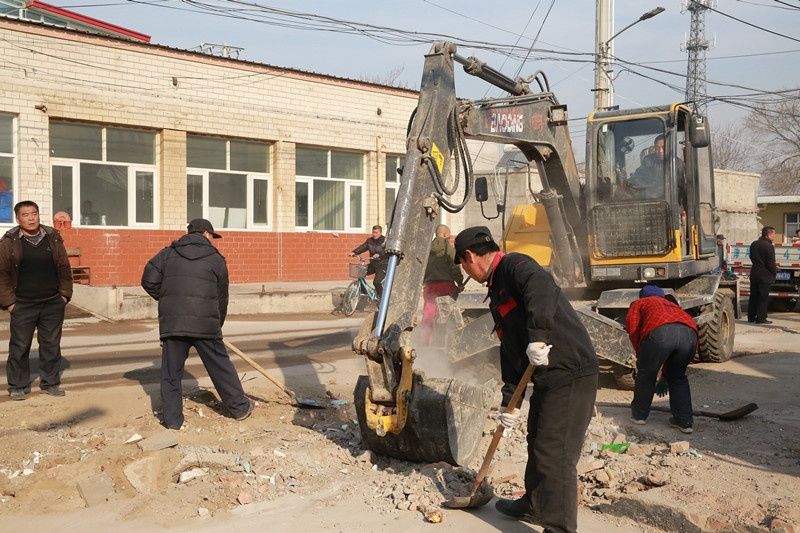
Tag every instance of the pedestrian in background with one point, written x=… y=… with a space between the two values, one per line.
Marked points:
x=377 y=258
x=664 y=338
x=762 y=275
x=35 y=286
x=442 y=278
x=537 y=325
x=189 y=279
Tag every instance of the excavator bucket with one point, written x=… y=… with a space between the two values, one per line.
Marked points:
x=445 y=420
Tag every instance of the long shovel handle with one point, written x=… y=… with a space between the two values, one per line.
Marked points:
x=498 y=433
x=260 y=369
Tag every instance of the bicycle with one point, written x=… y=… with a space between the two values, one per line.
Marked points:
x=357 y=287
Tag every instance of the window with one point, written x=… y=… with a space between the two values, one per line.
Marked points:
x=228 y=182
x=102 y=175
x=7 y=165
x=329 y=190
x=791 y=225
x=393 y=162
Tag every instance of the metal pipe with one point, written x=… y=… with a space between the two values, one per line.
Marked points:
x=383 y=310
x=483 y=71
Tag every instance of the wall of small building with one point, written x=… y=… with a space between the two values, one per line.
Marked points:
x=64 y=75
x=775 y=215
x=736 y=194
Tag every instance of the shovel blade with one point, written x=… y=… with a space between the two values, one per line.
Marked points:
x=444 y=423
x=479 y=497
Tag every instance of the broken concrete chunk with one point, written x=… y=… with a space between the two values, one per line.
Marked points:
x=204 y=458
x=96 y=490
x=680 y=446
x=202 y=512
x=134 y=438
x=244 y=498
x=188 y=475
x=588 y=466
x=143 y=474
x=656 y=478
x=159 y=441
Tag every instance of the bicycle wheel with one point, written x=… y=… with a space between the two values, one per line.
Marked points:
x=350 y=298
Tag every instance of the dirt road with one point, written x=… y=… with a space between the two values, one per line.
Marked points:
x=284 y=467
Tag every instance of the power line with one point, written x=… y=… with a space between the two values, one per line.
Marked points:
x=745 y=22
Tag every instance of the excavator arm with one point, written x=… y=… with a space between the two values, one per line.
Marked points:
x=403 y=414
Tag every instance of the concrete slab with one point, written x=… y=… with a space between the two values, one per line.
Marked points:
x=143 y=474
x=165 y=439
x=96 y=490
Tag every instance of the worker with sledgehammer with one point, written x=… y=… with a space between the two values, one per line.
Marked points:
x=189 y=278
x=536 y=324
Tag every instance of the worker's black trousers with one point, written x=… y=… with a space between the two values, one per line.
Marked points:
x=672 y=345
x=174 y=351
x=758 y=302
x=557 y=425
x=47 y=319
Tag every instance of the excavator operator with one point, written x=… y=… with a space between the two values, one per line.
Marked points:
x=648 y=180
x=536 y=324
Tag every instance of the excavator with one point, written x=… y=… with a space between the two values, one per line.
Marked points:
x=644 y=213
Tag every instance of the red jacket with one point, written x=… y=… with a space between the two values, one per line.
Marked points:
x=647 y=314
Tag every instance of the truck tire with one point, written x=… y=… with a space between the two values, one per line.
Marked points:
x=715 y=337
x=624 y=377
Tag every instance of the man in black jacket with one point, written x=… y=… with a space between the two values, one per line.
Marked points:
x=536 y=324
x=377 y=261
x=189 y=279
x=762 y=275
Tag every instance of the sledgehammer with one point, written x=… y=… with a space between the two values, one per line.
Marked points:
x=305 y=403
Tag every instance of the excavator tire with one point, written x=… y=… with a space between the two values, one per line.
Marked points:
x=716 y=336
x=445 y=422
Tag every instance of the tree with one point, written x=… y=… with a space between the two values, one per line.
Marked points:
x=391 y=78
x=731 y=149
x=776 y=127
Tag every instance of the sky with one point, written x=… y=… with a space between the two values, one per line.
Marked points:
x=562 y=25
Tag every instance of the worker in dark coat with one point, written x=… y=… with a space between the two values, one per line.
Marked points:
x=189 y=279
x=537 y=325
x=664 y=338
x=762 y=275
x=377 y=258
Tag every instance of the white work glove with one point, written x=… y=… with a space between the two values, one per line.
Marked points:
x=508 y=420
x=538 y=352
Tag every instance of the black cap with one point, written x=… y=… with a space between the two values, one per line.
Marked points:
x=471 y=237
x=199 y=225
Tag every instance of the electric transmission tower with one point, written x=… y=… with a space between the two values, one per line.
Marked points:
x=696 y=45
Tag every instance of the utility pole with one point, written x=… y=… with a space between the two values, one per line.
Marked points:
x=604 y=27
x=696 y=46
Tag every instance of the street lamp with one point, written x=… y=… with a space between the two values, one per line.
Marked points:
x=603 y=94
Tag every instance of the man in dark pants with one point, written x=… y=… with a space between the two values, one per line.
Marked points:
x=377 y=260
x=35 y=286
x=762 y=275
x=189 y=279
x=537 y=325
x=664 y=338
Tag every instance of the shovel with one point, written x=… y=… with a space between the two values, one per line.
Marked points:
x=305 y=403
x=728 y=416
x=482 y=492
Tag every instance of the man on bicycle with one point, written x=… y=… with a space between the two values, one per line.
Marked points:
x=377 y=259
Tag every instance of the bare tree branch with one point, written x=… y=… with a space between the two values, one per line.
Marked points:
x=732 y=151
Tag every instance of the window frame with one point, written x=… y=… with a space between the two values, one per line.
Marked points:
x=348 y=184
x=133 y=168
x=250 y=177
x=14 y=163
x=788 y=235
x=391 y=185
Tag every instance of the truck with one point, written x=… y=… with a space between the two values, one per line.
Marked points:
x=785 y=292
x=601 y=238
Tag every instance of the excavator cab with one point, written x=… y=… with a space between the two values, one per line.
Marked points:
x=653 y=164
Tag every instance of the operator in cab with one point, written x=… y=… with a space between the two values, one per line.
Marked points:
x=537 y=325
x=648 y=180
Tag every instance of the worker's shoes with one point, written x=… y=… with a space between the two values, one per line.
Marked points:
x=765 y=321
x=683 y=429
x=638 y=422
x=519 y=509
x=17 y=394
x=55 y=390
x=250 y=407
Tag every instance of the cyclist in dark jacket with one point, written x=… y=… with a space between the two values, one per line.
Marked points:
x=189 y=279
x=377 y=260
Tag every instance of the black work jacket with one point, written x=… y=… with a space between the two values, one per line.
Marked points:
x=373 y=246
x=189 y=279
x=762 y=255
x=528 y=306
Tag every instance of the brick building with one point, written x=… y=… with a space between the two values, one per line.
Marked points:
x=131 y=140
